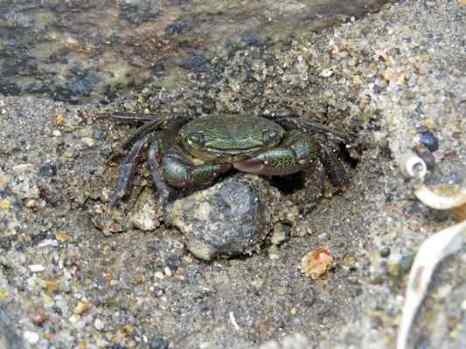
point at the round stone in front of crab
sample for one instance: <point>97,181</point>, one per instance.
<point>228,219</point>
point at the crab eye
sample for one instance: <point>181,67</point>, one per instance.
<point>196,138</point>
<point>268,136</point>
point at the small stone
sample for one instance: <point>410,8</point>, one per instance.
<point>36,268</point>
<point>48,243</point>
<point>31,337</point>
<point>56,133</point>
<point>326,73</point>
<point>428,139</point>
<point>60,120</point>
<point>5,204</point>
<point>51,286</point>
<point>4,179</point>
<point>145,215</point>
<point>167,271</point>
<point>82,307</point>
<point>89,141</point>
<point>63,236</point>
<point>75,318</point>
<point>4,294</point>
<point>99,324</point>
<point>159,275</point>
<point>31,203</point>
<point>398,265</point>
<point>385,252</point>
<point>274,252</point>
<point>281,233</point>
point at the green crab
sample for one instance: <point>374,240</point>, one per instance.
<point>186,153</point>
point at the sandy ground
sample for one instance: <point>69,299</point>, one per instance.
<point>75,274</point>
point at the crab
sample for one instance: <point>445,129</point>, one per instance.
<point>186,153</point>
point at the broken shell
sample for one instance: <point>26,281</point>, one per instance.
<point>412,165</point>
<point>442,197</point>
<point>432,251</point>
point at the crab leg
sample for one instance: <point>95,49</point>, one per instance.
<point>154,159</point>
<point>310,126</point>
<point>132,118</point>
<point>142,131</point>
<point>296,153</point>
<point>127,172</point>
<point>333,166</point>
<point>181,172</point>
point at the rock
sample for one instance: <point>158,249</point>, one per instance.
<point>145,214</point>
<point>227,219</point>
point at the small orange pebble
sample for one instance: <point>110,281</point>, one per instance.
<point>51,286</point>
<point>63,236</point>
<point>82,307</point>
<point>60,120</point>
<point>317,263</point>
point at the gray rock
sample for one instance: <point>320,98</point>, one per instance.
<point>227,219</point>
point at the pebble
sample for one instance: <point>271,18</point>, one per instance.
<point>82,307</point>
<point>398,265</point>
<point>4,179</point>
<point>31,337</point>
<point>99,324</point>
<point>145,216</point>
<point>326,73</point>
<point>385,252</point>
<point>60,120</point>
<point>90,142</point>
<point>36,268</point>
<point>31,203</point>
<point>227,219</point>
<point>48,243</point>
<point>428,139</point>
<point>281,233</point>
